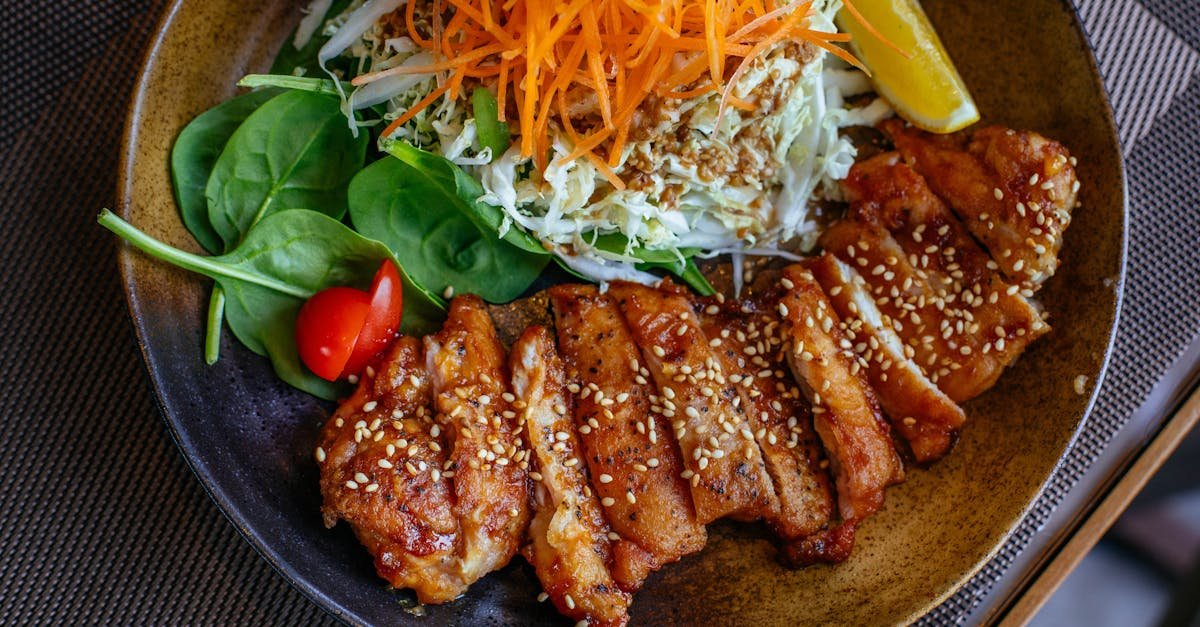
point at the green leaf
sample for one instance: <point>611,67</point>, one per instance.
<point>687,272</point>
<point>302,83</point>
<point>295,151</point>
<point>457,188</point>
<point>618,243</point>
<point>290,59</point>
<point>493,133</point>
<point>195,153</point>
<point>436,234</point>
<point>284,260</point>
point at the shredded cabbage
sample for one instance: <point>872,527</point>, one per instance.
<point>743,188</point>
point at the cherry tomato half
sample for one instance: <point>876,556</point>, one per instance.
<point>340,329</point>
<point>383,319</point>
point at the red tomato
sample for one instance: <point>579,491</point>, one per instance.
<point>383,320</point>
<point>328,327</point>
<point>340,329</point>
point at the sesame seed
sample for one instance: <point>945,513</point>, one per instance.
<point>998,194</point>
<point>608,501</point>
<point>448,293</point>
<point>320,454</point>
<point>542,597</point>
<point>353,485</point>
<point>370,406</point>
<point>658,351</point>
<point>372,487</point>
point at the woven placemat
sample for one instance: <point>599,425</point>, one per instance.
<point>102,521</point>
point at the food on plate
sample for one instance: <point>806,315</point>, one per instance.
<point>909,65</point>
<point>944,295</point>
<point>1014,190</point>
<point>725,469</point>
<point>846,414</point>
<point>747,337</point>
<point>569,544</point>
<point>382,448</point>
<point>487,458</point>
<point>622,141</point>
<point>628,448</point>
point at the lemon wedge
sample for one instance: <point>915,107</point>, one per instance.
<point>923,88</point>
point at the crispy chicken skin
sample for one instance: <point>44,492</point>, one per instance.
<point>845,412</point>
<point>622,439</point>
<point>1014,190</point>
<point>380,457</point>
<point>725,470</point>
<point>962,323</point>
<point>487,457</point>
<point>569,546</point>
<point>749,342</point>
<point>921,413</point>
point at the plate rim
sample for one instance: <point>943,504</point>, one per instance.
<point>311,591</point>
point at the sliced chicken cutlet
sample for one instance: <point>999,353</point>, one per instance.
<point>749,341</point>
<point>845,412</point>
<point>628,448</point>
<point>487,455</point>
<point>1015,191</point>
<point>962,323</point>
<point>921,413</point>
<point>726,471</point>
<point>569,545</point>
<point>381,460</point>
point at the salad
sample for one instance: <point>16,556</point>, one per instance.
<point>472,145</point>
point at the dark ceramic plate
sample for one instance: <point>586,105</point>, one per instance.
<point>249,437</point>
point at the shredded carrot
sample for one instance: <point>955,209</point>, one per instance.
<point>598,60</point>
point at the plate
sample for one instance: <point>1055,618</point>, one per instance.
<point>249,438</point>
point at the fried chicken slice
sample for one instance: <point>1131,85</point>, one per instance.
<point>628,448</point>
<point>727,474</point>
<point>487,455</point>
<point>569,546</point>
<point>749,341</point>
<point>921,413</point>
<point>1014,190</point>
<point>381,458</point>
<point>845,412</point>
<point>961,322</point>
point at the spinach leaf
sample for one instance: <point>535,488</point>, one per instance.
<point>617,243</point>
<point>687,272</point>
<point>435,233</point>
<point>302,83</point>
<point>291,60</point>
<point>295,151</point>
<point>453,187</point>
<point>493,133</point>
<point>284,260</point>
<point>195,153</point>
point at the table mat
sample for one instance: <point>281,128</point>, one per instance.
<point>103,522</point>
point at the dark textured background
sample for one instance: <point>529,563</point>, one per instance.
<point>103,522</point>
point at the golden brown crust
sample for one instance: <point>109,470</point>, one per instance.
<point>380,457</point>
<point>845,412</point>
<point>1014,190</point>
<point>962,323</point>
<point>726,471</point>
<point>623,441</point>
<point>569,545</point>
<point>749,342</point>
<point>487,457</point>
<point>921,413</point>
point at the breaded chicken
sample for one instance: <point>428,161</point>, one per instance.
<point>921,413</point>
<point>628,448</point>
<point>749,341</point>
<point>726,471</point>
<point>569,545</point>
<point>845,412</point>
<point>487,456</point>
<point>381,457</point>
<point>1014,190</point>
<point>962,323</point>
